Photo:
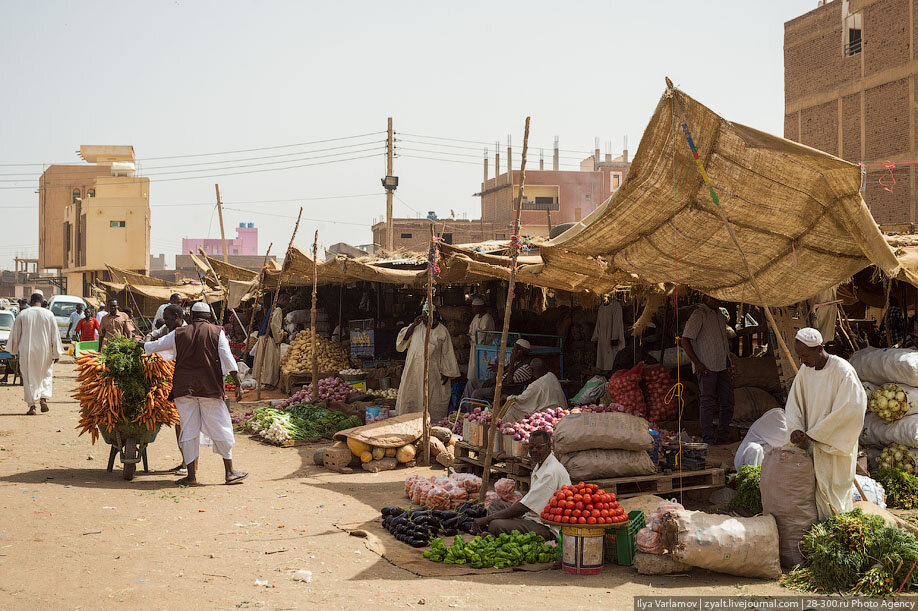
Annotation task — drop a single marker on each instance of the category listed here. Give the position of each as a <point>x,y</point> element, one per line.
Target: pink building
<point>245,243</point>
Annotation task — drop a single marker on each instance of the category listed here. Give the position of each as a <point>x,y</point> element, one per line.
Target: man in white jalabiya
<point>443,367</point>
<point>825,411</point>
<point>482,321</point>
<point>544,391</point>
<point>202,359</point>
<point>609,334</point>
<point>36,340</point>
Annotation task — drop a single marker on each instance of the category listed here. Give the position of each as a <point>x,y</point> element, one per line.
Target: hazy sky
<point>184,78</point>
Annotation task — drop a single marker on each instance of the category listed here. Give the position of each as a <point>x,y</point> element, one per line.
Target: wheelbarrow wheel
<point>129,468</point>
<point>128,456</point>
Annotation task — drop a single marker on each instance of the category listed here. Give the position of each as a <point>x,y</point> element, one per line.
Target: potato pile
<point>298,358</point>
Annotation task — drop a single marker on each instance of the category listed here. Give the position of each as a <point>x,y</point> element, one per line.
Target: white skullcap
<point>809,337</point>
<point>522,343</point>
<point>200,306</point>
<point>38,292</point>
<point>478,301</point>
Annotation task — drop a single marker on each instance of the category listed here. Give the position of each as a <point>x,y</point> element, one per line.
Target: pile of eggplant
<point>416,527</point>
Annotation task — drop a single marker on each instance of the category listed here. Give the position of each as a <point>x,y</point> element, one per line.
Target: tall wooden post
<point>425,420</point>
<point>220,214</point>
<point>312,316</point>
<point>508,308</point>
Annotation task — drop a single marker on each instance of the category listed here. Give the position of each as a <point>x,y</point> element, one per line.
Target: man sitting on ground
<point>548,475</point>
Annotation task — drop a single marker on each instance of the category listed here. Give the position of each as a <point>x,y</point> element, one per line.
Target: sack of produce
<point>389,433</point>
<point>469,481</point>
<point>591,392</point>
<point>656,384</point>
<point>898,456</point>
<point>747,547</point>
<point>881,365</point>
<point>602,431</point>
<point>658,564</point>
<point>625,389</point>
<point>490,498</point>
<point>879,433</point>
<point>891,401</point>
<point>788,488</point>
<point>649,541</point>
<point>751,402</point>
<point>505,487</point>
<point>873,490</point>
<point>598,464</point>
<point>655,519</point>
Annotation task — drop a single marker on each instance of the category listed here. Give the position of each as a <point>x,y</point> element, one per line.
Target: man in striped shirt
<point>704,340</point>
<point>517,371</point>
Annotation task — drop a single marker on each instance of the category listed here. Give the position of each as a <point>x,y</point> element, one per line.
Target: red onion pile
<point>657,383</point>
<point>625,389</point>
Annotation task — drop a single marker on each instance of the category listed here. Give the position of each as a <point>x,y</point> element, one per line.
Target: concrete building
<point>244,244</point>
<point>850,90</point>
<point>414,234</point>
<point>94,215</point>
<point>186,269</point>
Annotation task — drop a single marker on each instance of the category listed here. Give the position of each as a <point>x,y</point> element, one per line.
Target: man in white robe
<point>609,334</point>
<point>267,353</point>
<point>482,321</point>
<point>544,391</point>
<point>825,411</point>
<point>443,368</point>
<point>769,431</point>
<point>36,340</point>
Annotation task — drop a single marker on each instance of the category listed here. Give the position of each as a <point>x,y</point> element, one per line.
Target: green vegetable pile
<point>901,488</point>
<point>748,496</point>
<point>303,421</point>
<point>486,552</point>
<point>121,357</point>
<point>854,553</point>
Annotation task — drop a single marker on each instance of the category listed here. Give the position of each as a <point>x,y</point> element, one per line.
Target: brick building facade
<point>414,234</point>
<point>850,89</point>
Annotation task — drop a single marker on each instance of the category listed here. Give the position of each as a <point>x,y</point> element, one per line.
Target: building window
<point>500,236</point>
<point>853,34</point>
<point>406,236</point>
<point>616,180</point>
<point>447,238</point>
<point>116,223</point>
<point>587,197</point>
<point>91,193</point>
<point>542,203</point>
<point>76,196</point>
<point>235,251</point>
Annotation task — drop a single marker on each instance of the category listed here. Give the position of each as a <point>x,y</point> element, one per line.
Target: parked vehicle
<point>6,325</point>
<point>62,306</point>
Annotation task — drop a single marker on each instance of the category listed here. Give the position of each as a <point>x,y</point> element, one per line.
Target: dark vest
<point>198,372</point>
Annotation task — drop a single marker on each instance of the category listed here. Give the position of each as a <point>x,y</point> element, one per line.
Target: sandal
<point>31,411</point>
<point>44,405</point>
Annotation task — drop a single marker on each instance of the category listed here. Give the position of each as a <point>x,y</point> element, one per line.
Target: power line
<point>253,201</point>
<point>287,216</point>
<point>468,148</point>
<point>487,143</point>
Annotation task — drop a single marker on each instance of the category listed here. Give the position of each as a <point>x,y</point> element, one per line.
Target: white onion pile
<point>889,402</point>
<point>896,456</point>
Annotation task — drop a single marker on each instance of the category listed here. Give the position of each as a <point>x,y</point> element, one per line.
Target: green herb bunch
<point>748,495</point>
<point>901,488</point>
<point>121,357</point>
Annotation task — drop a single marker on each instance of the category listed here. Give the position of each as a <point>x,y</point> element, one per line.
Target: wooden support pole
<point>261,282</point>
<point>280,279</point>
<point>312,316</point>
<point>425,421</point>
<point>220,214</point>
<point>223,289</point>
<point>508,308</point>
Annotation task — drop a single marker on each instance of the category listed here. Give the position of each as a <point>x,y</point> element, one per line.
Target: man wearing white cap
<point>517,371</point>
<point>202,360</point>
<point>482,321</point>
<point>443,368</point>
<point>825,411</point>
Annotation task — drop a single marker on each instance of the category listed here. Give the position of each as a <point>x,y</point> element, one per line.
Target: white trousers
<point>210,417</point>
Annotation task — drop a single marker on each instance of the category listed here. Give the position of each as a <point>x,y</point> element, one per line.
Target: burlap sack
<point>751,402</point>
<point>388,433</point>
<point>747,547</point>
<point>879,433</point>
<point>604,431</point>
<point>599,464</point>
<point>882,365</point>
<point>658,564</point>
<point>788,486</point>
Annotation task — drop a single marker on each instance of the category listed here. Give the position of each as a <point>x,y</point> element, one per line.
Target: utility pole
<point>220,214</point>
<point>389,183</point>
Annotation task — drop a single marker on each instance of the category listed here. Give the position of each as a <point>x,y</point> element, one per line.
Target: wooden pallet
<point>663,483</point>
<point>470,459</point>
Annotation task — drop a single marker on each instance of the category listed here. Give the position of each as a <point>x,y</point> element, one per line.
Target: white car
<point>62,306</point>
<point>6,325</point>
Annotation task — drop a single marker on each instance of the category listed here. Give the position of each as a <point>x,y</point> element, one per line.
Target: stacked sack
<point>442,492</point>
<point>890,377</point>
<point>651,557</point>
<point>599,445</point>
<point>643,391</point>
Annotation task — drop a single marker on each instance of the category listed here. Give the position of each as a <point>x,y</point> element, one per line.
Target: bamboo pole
<point>223,289</point>
<point>425,421</point>
<point>312,316</point>
<point>508,308</point>
<point>261,281</point>
<point>280,279</point>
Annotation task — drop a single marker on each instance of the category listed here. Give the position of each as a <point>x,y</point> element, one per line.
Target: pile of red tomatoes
<point>583,504</point>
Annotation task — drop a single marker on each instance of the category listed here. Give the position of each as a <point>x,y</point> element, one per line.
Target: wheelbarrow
<point>10,365</point>
<point>130,441</point>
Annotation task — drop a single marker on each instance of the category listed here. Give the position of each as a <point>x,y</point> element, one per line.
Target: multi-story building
<point>93,216</point>
<point>244,244</point>
<point>850,81</point>
<point>414,234</point>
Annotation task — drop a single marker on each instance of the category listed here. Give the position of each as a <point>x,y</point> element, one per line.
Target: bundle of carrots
<point>103,401</point>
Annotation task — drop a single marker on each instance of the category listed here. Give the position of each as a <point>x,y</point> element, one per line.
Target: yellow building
<point>106,222</point>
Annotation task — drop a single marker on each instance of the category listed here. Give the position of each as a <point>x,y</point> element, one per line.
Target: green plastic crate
<point>620,539</point>
<point>79,347</point>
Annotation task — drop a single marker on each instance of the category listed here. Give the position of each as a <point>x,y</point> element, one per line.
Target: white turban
<point>809,337</point>
<point>522,343</point>
<point>200,307</point>
<point>478,301</point>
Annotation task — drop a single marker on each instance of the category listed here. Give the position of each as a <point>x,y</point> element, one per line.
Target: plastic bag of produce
<point>655,521</point>
<point>872,489</point>
<point>591,392</point>
<point>656,384</point>
<point>505,487</point>
<point>469,481</point>
<point>490,497</point>
<point>879,433</point>
<point>649,541</point>
<point>882,365</point>
<point>410,481</point>
<point>596,464</point>
<point>602,431</point>
<point>437,498</point>
<point>747,547</point>
<point>788,486</point>
<point>625,389</point>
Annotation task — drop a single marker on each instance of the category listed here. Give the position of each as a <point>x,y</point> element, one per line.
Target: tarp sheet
<point>124,276</point>
<point>226,271</point>
<point>162,293</point>
<point>797,213</point>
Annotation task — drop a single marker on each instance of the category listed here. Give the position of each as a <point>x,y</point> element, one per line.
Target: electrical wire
<point>471,148</point>
<point>486,143</point>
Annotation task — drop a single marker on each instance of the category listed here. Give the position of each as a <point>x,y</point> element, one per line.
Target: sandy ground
<point>73,536</point>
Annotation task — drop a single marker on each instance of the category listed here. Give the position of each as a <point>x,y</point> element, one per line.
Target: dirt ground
<point>73,536</point>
